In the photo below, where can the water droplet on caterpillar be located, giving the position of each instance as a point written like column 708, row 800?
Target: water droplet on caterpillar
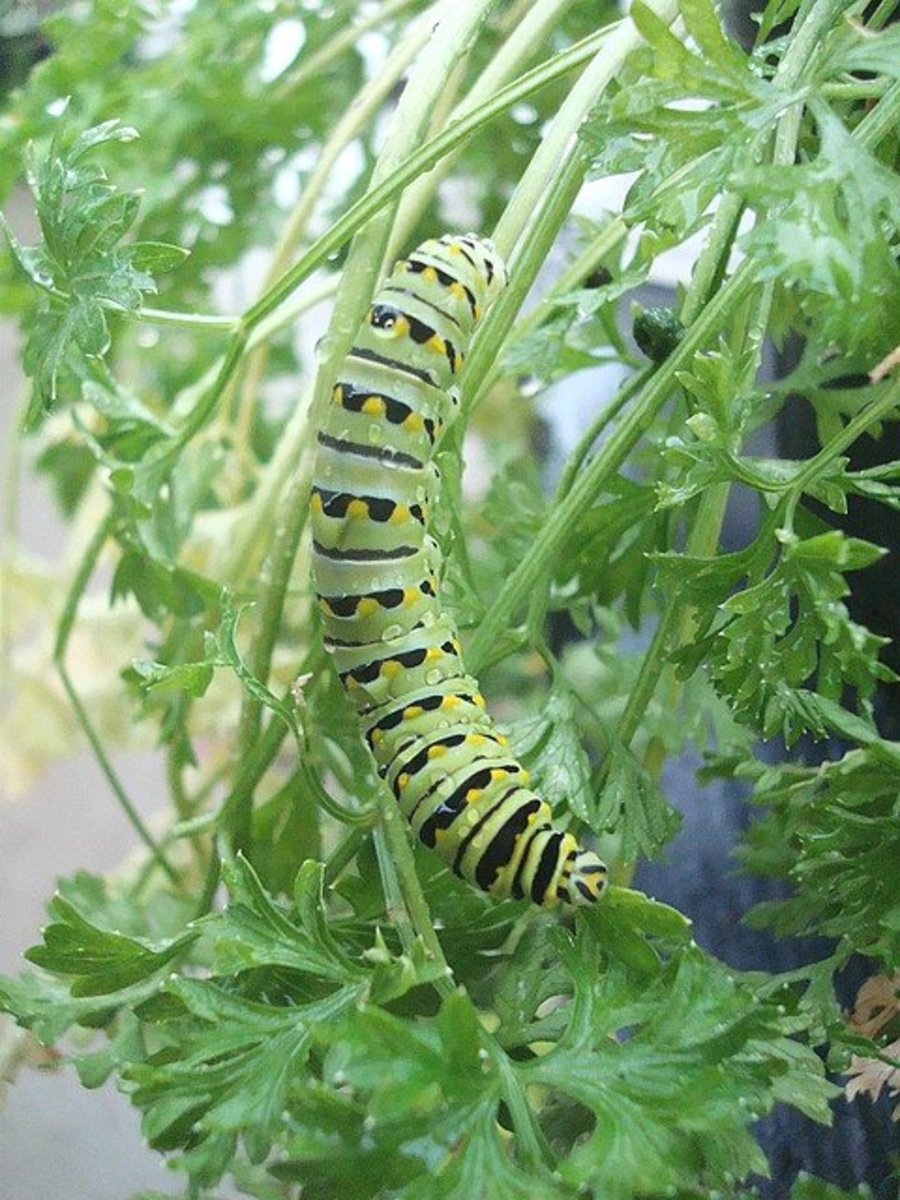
column 324, row 348
column 375, row 434
column 433, row 676
column 390, row 632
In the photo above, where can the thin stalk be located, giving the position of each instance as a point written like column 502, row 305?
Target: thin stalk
column 406, row 903
column 558, row 529
column 702, row 541
column 537, row 608
column 878, row 410
column 544, row 195
column 316, row 64
column 196, row 322
column 359, row 113
column 421, row 160
column 528, row 33
column 674, row 625
column 575, row 461
column 417, row 162
column 556, row 144
column 344, row 854
column 12, row 458
column 80, row 581
column 881, row 120
column 276, row 577
column 555, row 205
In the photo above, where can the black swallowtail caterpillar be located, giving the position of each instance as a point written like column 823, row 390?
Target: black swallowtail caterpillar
column 377, row 570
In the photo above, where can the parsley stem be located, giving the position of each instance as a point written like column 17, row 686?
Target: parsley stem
column 197, row 322
column 317, row 63
column 80, row 581
column 878, row 410
column 881, row 120
column 561, row 523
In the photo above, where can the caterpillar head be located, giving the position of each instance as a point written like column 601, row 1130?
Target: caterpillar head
column 587, row 878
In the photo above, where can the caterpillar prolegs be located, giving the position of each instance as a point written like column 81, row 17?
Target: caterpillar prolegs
column 377, row 571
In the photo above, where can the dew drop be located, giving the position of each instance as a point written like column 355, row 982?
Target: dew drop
column 433, row 676
column 324, row 348
column 390, row 632
column 524, row 114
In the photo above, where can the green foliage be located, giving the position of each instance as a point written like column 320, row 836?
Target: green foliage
column 81, row 271
column 292, row 998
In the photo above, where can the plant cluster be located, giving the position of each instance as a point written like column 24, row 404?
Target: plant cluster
column 291, row 995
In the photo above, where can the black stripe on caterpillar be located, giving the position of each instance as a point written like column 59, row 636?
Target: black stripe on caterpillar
column 376, row 571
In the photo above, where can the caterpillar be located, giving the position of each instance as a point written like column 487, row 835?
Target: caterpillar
column 376, row 571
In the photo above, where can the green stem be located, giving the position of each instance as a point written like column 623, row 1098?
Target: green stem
column 403, row 892
column 881, row 120
column 421, row 160
column 702, row 541
column 878, row 410
column 562, row 521
column 539, row 600
column 674, row 625
column 196, row 322
column 348, row 37
column 527, row 34
column 416, row 163
column 575, row 461
column 70, row 610
column 535, row 1146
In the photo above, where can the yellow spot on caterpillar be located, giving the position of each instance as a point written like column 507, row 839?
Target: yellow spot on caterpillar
column 357, row 509
column 497, row 775
column 337, row 394
column 437, row 343
column 374, row 406
column 473, row 795
column 502, row 739
column 410, row 595
column 324, row 606
column 457, row 290
column 315, row 502
column 430, row 274
column 413, row 711
column 457, row 645
column 458, row 362
column 526, row 775
column 390, row 668
column 476, row 312
column 436, row 751
column 366, row 606
column 453, row 248
column 532, row 817
column 377, row 737
column 450, row 701
column 400, row 514
column 476, row 739
column 433, row 652
column 413, row 423
column 479, row 699
column 401, row 326
column 403, row 781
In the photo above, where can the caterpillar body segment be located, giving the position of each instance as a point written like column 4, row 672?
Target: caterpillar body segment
column 377, row 576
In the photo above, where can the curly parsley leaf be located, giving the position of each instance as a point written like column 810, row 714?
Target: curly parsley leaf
column 81, row 271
